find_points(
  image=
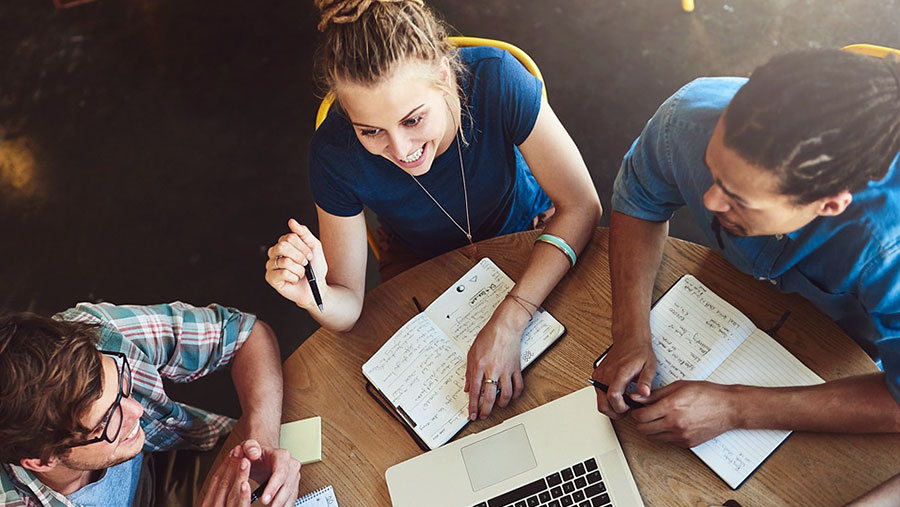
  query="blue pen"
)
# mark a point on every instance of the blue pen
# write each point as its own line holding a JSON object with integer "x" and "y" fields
{"x": 313, "y": 286}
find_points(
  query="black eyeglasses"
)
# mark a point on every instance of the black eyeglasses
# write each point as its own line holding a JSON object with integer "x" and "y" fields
{"x": 113, "y": 425}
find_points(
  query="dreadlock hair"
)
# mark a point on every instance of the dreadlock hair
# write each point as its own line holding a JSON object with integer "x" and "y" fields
{"x": 365, "y": 41}
{"x": 50, "y": 374}
{"x": 823, "y": 121}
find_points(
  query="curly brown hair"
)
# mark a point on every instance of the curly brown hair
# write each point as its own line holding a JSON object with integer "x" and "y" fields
{"x": 50, "y": 373}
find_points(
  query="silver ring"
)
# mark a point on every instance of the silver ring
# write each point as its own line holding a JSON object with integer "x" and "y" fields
{"x": 276, "y": 263}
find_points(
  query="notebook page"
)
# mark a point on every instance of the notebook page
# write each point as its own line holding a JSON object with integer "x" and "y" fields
{"x": 760, "y": 361}
{"x": 421, "y": 372}
{"x": 320, "y": 498}
{"x": 693, "y": 331}
{"x": 467, "y": 306}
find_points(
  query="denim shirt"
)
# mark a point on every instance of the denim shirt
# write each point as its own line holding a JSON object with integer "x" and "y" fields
{"x": 847, "y": 265}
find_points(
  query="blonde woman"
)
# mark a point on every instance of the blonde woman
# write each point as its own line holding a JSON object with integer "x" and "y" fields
{"x": 447, "y": 147}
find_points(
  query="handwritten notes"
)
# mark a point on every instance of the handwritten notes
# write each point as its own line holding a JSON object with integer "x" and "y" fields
{"x": 699, "y": 336}
{"x": 693, "y": 331}
{"x": 421, "y": 369}
{"x": 759, "y": 361}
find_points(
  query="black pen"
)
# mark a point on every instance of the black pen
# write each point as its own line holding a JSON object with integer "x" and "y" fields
{"x": 313, "y": 286}
{"x": 259, "y": 491}
{"x": 605, "y": 388}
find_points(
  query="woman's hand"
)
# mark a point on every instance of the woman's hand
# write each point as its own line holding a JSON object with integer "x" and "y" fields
{"x": 285, "y": 269}
{"x": 496, "y": 355}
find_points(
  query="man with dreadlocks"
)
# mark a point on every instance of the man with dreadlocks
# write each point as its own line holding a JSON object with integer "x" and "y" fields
{"x": 793, "y": 175}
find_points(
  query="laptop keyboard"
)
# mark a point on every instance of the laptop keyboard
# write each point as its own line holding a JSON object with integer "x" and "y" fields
{"x": 579, "y": 485}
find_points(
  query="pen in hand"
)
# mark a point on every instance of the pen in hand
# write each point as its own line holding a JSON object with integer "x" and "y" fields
{"x": 605, "y": 388}
{"x": 313, "y": 286}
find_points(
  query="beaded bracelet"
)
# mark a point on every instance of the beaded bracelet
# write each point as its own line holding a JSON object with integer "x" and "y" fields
{"x": 558, "y": 243}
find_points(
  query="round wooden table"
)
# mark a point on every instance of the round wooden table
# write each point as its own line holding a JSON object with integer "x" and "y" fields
{"x": 360, "y": 440}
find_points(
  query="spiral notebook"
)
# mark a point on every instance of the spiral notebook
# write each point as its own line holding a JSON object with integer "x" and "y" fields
{"x": 319, "y": 498}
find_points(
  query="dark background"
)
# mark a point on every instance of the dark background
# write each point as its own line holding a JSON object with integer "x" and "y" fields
{"x": 152, "y": 150}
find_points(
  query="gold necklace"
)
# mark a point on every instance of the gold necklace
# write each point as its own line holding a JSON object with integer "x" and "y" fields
{"x": 468, "y": 230}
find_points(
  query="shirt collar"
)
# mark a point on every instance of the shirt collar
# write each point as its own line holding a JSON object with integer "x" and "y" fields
{"x": 28, "y": 484}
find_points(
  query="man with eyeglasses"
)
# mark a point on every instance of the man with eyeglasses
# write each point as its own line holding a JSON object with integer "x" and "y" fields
{"x": 84, "y": 419}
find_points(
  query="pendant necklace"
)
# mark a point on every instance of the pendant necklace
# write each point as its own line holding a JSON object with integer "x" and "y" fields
{"x": 468, "y": 230}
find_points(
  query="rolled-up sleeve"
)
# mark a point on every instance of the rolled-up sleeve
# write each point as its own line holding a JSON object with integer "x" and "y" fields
{"x": 645, "y": 187}
{"x": 184, "y": 342}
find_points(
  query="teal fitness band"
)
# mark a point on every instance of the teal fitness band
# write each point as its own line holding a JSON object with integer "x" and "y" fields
{"x": 558, "y": 243}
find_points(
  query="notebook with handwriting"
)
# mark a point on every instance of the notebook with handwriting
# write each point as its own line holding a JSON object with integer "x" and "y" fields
{"x": 697, "y": 335}
{"x": 421, "y": 369}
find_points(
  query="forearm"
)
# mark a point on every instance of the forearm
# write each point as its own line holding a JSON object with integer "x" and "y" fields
{"x": 859, "y": 404}
{"x": 256, "y": 372}
{"x": 548, "y": 264}
{"x": 341, "y": 307}
{"x": 887, "y": 494}
{"x": 635, "y": 253}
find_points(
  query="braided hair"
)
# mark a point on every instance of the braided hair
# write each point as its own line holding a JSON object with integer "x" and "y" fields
{"x": 824, "y": 121}
{"x": 365, "y": 40}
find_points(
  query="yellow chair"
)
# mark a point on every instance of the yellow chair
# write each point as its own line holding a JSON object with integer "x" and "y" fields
{"x": 460, "y": 42}
{"x": 871, "y": 50}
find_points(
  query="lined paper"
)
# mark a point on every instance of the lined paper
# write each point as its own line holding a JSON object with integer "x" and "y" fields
{"x": 699, "y": 336}
{"x": 693, "y": 331}
{"x": 759, "y": 361}
{"x": 421, "y": 369}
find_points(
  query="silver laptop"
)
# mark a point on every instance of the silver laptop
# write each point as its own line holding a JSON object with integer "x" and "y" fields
{"x": 561, "y": 454}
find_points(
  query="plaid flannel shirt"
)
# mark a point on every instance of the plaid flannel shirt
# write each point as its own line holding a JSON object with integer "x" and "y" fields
{"x": 175, "y": 341}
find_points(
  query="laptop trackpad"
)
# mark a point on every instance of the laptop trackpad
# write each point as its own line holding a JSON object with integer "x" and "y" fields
{"x": 498, "y": 457}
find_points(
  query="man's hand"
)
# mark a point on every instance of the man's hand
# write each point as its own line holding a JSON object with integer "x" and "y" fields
{"x": 275, "y": 466}
{"x": 687, "y": 413}
{"x": 626, "y": 361}
{"x": 229, "y": 485}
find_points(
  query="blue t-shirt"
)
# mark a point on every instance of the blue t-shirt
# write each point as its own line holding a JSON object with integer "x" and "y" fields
{"x": 847, "y": 265}
{"x": 115, "y": 488}
{"x": 503, "y": 103}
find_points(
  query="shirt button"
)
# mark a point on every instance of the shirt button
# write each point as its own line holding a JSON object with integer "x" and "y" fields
{"x": 170, "y": 421}
{"x": 761, "y": 278}
{"x": 773, "y": 282}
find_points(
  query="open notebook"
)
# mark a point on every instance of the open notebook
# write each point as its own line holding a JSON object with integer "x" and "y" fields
{"x": 421, "y": 370}
{"x": 699, "y": 336}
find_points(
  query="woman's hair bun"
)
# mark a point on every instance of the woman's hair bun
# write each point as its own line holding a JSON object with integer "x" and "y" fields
{"x": 347, "y": 11}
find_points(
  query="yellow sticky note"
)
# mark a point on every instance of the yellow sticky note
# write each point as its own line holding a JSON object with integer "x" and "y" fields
{"x": 303, "y": 439}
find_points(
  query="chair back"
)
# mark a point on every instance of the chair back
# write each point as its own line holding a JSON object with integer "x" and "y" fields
{"x": 460, "y": 42}
{"x": 871, "y": 50}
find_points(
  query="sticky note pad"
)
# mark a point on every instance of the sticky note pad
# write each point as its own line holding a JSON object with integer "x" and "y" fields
{"x": 303, "y": 439}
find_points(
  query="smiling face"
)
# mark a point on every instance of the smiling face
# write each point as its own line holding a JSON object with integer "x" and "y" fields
{"x": 406, "y": 118}
{"x": 746, "y": 199}
{"x": 130, "y": 441}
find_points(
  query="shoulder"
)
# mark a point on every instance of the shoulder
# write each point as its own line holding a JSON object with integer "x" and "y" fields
{"x": 487, "y": 64}
{"x": 334, "y": 136}
{"x": 700, "y": 102}
{"x": 475, "y": 57}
